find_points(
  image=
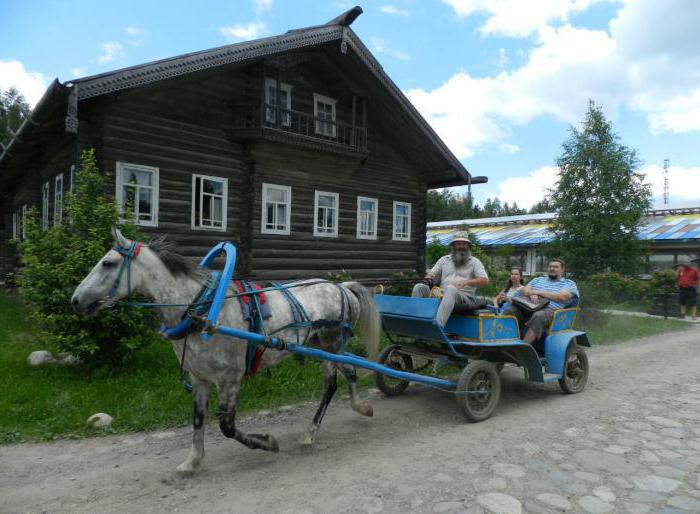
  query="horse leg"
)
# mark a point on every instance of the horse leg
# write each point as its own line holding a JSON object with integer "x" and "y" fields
{"x": 358, "y": 405}
{"x": 200, "y": 400}
{"x": 330, "y": 384}
{"x": 227, "y": 394}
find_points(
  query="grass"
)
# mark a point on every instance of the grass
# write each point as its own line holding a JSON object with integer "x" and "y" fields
{"x": 54, "y": 402}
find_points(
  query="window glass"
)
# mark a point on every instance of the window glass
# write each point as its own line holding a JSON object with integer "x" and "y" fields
{"x": 402, "y": 221}
{"x": 326, "y": 214}
{"x": 209, "y": 197}
{"x": 276, "y": 205}
{"x": 138, "y": 193}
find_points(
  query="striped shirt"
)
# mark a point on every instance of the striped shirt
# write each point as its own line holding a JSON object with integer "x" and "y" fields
{"x": 555, "y": 286}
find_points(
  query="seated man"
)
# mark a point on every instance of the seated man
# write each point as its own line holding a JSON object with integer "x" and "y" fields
{"x": 561, "y": 292}
{"x": 458, "y": 274}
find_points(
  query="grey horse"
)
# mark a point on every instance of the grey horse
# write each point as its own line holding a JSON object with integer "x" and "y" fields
{"x": 162, "y": 275}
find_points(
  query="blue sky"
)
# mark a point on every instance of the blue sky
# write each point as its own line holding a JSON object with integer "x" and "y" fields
{"x": 500, "y": 80}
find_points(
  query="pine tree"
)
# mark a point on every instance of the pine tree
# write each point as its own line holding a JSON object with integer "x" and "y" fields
{"x": 13, "y": 111}
{"x": 600, "y": 200}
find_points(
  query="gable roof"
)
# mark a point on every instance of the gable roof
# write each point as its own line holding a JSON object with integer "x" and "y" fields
{"x": 337, "y": 29}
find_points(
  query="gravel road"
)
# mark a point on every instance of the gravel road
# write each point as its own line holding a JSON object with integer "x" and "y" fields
{"x": 629, "y": 443}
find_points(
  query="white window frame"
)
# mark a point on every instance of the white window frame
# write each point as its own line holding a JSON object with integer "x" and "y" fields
{"x": 45, "y": 191}
{"x": 23, "y": 221}
{"x": 154, "y": 202}
{"x": 375, "y": 201}
{"x": 269, "y": 113}
{"x": 263, "y": 220}
{"x": 394, "y": 235}
{"x": 15, "y": 224}
{"x": 72, "y": 178}
{"x": 58, "y": 199}
{"x": 317, "y": 125}
{"x": 224, "y": 202}
{"x": 336, "y": 208}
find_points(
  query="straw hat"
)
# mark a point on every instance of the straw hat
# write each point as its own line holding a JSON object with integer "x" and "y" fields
{"x": 461, "y": 236}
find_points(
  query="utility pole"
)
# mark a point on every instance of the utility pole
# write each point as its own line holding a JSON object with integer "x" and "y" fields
{"x": 666, "y": 191}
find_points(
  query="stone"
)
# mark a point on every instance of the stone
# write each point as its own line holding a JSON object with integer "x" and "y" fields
{"x": 636, "y": 508}
{"x": 604, "y": 493}
{"x": 554, "y": 500}
{"x": 669, "y": 472}
{"x": 441, "y": 477}
{"x": 40, "y": 358}
{"x": 575, "y": 488}
{"x": 678, "y": 433}
{"x": 594, "y": 505}
{"x": 603, "y": 461}
{"x": 100, "y": 420}
{"x": 649, "y": 436}
{"x": 489, "y": 484}
{"x": 668, "y": 454}
{"x": 371, "y": 506}
{"x": 588, "y": 477}
{"x": 648, "y": 456}
{"x": 664, "y": 422}
{"x": 508, "y": 470}
{"x": 618, "y": 450}
{"x": 647, "y": 497}
{"x": 656, "y": 484}
{"x": 621, "y": 483}
{"x": 572, "y": 432}
{"x": 163, "y": 435}
{"x": 638, "y": 425}
{"x": 67, "y": 359}
{"x": 447, "y": 506}
{"x": 685, "y": 503}
{"x": 555, "y": 455}
{"x": 500, "y": 503}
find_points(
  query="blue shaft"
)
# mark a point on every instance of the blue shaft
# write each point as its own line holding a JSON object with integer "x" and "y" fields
{"x": 346, "y": 358}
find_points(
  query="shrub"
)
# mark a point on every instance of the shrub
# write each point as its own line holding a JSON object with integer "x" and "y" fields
{"x": 604, "y": 289}
{"x": 54, "y": 261}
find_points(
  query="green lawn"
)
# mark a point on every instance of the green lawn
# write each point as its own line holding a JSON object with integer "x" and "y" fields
{"x": 49, "y": 402}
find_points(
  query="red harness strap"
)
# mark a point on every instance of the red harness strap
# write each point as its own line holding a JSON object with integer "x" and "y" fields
{"x": 246, "y": 298}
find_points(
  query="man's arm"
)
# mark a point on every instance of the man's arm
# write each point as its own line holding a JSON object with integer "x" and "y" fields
{"x": 562, "y": 296}
{"x": 480, "y": 278}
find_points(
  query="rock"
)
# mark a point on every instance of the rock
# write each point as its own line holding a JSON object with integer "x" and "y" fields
{"x": 604, "y": 493}
{"x": 603, "y": 461}
{"x": 447, "y": 506}
{"x": 648, "y": 456}
{"x": 669, "y": 472}
{"x": 372, "y": 506}
{"x": 499, "y": 503}
{"x": 685, "y": 503}
{"x": 442, "y": 477}
{"x": 664, "y": 422}
{"x": 40, "y": 358}
{"x": 163, "y": 435}
{"x": 489, "y": 484}
{"x": 508, "y": 470}
{"x": 636, "y": 508}
{"x": 656, "y": 484}
{"x": 594, "y": 505}
{"x": 554, "y": 500}
{"x": 100, "y": 420}
{"x": 67, "y": 359}
{"x": 588, "y": 477}
{"x": 617, "y": 450}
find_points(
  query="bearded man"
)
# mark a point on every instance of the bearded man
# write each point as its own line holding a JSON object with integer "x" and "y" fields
{"x": 458, "y": 274}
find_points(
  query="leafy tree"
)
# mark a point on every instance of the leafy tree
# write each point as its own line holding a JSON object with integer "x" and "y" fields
{"x": 54, "y": 261}
{"x": 600, "y": 200}
{"x": 542, "y": 206}
{"x": 13, "y": 111}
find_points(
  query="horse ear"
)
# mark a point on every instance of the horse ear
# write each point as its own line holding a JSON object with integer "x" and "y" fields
{"x": 119, "y": 238}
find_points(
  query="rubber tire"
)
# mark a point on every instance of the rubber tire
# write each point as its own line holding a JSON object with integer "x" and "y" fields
{"x": 563, "y": 383}
{"x": 465, "y": 378}
{"x": 380, "y": 379}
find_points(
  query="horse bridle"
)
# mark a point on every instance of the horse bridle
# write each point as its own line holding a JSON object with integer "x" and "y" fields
{"x": 128, "y": 254}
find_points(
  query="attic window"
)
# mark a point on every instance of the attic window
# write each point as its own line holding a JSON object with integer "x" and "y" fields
{"x": 324, "y": 112}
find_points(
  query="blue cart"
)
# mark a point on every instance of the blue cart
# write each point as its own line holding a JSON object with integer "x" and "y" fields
{"x": 479, "y": 342}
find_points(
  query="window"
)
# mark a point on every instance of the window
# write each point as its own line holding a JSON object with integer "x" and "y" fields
{"x": 402, "y": 221}
{"x": 15, "y": 224}
{"x": 58, "y": 200}
{"x": 661, "y": 261}
{"x": 324, "y": 109}
{"x": 45, "y": 206}
{"x": 283, "y": 104}
{"x": 367, "y": 217}
{"x": 276, "y": 209}
{"x": 23, "y": 222}
{"x": 326, "y": 214}
{"x": 137, "y": 192}
{"x": 209, "y": 195}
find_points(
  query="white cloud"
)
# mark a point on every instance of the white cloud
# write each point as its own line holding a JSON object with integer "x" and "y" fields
{"x": 135, "y": 35}
{"x": 31, "y": 84}
{"x": 133, "y": 31}
{"x": 380, "y": 46}
{"x": 393, "y": 10}
{"x": 530, "y": 189}
{"x": 252, "y": 30}
{"x": 567, "y": 67}
{"x": 262, "y": 5}
{"x": 683, "y": 184}
{"x": 112, "y": 50}
{"x": 503, "y": 58}
{"x": 77, "y": 72}
{"x": 518, "y": 18}
{"x": 509, "y": 148}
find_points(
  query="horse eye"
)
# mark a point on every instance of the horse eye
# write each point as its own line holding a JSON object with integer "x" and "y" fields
{"x": 107, "y": 264}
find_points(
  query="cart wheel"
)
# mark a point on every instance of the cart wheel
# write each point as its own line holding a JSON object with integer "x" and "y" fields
{"x": 478, "y": 390}
{"x": 392, "y": 357}
{"x": 499, "y": 366}
{"x": 576, "y": 370}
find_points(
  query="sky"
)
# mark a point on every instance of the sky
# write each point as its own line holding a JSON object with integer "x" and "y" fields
{"x": 501, "y": 81}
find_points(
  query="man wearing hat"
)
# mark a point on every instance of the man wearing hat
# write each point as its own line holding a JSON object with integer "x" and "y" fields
{"x": 458, "y": 274}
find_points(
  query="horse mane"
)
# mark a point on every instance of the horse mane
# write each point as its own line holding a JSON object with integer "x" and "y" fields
{"x": 174, "y": 262}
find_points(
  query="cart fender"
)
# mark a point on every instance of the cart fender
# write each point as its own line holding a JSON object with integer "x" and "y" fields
{"x": 556, "y": 345}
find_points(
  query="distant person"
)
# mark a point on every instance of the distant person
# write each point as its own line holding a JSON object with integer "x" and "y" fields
{"x": 512, "y": 288}
{"x": 688, "y": 280}
{"x": 561, "y": 293}
{"x": 458, "y": 274}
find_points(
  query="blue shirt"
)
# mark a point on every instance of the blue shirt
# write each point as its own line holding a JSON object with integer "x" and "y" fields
{"x": 555, "y": 286}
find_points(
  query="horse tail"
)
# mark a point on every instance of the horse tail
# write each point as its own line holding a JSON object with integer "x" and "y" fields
{"x": 369, "y": 321}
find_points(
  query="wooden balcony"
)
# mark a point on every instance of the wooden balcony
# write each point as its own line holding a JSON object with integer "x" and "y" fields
{"x": 252, "y": 121}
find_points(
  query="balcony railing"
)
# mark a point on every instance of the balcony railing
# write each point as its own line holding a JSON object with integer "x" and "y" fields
{"x": 333, "y": 133}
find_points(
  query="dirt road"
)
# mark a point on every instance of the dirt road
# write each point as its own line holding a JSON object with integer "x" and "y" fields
{"x": 630, "y": 442}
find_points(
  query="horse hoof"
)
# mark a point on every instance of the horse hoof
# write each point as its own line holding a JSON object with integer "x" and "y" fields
{"x": 363, "y": 408}
{"x": 186, "y": 469}
{"x": 306, "y": 439}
